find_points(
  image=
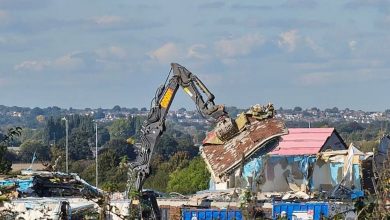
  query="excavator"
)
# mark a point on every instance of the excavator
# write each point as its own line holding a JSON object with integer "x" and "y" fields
{"x": 143, "y": 204}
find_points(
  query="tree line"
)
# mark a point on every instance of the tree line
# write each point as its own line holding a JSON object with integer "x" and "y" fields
{"x": 175, "y": 155}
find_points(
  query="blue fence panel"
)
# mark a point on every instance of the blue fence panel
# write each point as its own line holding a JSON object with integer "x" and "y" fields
{"x": 211, "y": 214}
{"x": 315, "y": 209}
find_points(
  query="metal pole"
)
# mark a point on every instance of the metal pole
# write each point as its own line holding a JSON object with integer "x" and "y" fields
{"x": 96, "y": 154}
{"x": 66, "y": 145}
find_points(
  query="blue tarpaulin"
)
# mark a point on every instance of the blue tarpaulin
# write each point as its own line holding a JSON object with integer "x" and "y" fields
{"x": 23, "y": 185}
{"x": 252, "y": 168}
{"x": 334, "y": 169}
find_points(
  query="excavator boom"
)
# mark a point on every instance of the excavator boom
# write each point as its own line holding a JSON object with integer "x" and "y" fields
{"x": 154, "y": 126}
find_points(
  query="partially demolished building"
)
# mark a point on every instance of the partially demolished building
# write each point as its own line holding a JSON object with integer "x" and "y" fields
{"x": 303, "y": 162}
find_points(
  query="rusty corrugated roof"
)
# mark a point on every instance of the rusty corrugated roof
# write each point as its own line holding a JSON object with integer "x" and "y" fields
{"x": 224, "y": 157}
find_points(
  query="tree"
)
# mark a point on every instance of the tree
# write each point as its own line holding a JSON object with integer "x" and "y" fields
{"x": 160, "y": 170}
{"x": 5, "y": 164}
{"x": 28, "y": 148}
{"x": 120, "y": 129}
{"x": 125, "y": 128}
{"x": 173, "y": 141}
{"x": 120, "y": 148}
{"x": 116, "y": 108}
{"x": 190, "y": 179}
{"x": 297, "y": 109}
{"x": 79, "y": 145}
{"x": 349, "y": 127}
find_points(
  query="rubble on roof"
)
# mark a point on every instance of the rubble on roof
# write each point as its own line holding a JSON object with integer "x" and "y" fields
{"x": 257, "y": 128}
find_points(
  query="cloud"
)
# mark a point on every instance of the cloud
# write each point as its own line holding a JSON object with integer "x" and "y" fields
{"x": 3, "y": 16}
{"x": 107, "y": 20}
{"x": 300, "y": 4}
{"x": 84, "y": 61}
{"x": 351, "y": 75}
{"x": 315, "y": 47}
{"x": 286, "y": 23}
{"x": 114, "y": 22}
{"x": 144, "y": 6}
{"x": 230, "y": 48}
{"x": 352, "y": 45}
{"x": 24, "y": 4}
{"x": 3, "y": 82}
{"x": 212, "y": 5}
{"x": 381, "y": 5}
{"x": 68, "y": 62}
{"x": 383, "y": 23}
{"x": 315, "y": 79}
{"x": 195, "y": 51}
{"x": 249, "y": 7}
{"x": 32, "y": 65}
{"x": 288, "y": 40}
{"x": 227, "y": 21}
{"x": 165, "y": 53}
{"x": 22, "y": 25}
{"x": 112, "y": 53}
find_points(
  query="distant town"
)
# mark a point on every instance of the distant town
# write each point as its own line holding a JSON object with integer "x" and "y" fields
{"x": 33, "y": 116}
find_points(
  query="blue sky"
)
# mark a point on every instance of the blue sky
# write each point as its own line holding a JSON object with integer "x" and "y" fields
{"x": 104, "y": 53}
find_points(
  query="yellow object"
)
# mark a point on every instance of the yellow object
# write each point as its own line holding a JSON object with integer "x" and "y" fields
{"x": 241, "y": 121}
{"x": 130, "y": 141}
{"x": 135, "y": 202}
{"x": 188, "y": 91}
{"x": 167, "y": 98}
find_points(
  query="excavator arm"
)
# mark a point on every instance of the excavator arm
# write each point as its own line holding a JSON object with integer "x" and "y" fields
{"x": 154, "y": 126}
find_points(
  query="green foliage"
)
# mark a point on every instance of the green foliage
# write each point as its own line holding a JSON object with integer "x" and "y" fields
{"x": 79, "y": 166}
{"x": 125, "y": 128}
{"x": 32, "y": 134}
{"x": 5, "y": 163}
{"x": 190, "y": 179}
{"x": 160, "y": 170}
{"x": 79, "y": 144}
{"x": 173, "y": 141}
{"x": 297, "y": 109}
{"x": 113, "y": 186}
{"x": 28, "y": 148}
{"x": 109, "y": 161}
{"x": 120, "y": 148}
{"x": 349, "y": 127}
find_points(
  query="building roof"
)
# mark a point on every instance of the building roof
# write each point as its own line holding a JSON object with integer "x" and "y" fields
{"x": 303, "y": 141}
{"x": 222, "y": 158}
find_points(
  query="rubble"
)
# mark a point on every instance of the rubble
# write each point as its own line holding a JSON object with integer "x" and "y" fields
{"x": 222, "y": 158}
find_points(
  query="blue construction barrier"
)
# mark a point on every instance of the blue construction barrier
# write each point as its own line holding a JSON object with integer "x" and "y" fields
{"x": 211, "y": 214}
{"x": 312, "y": 210}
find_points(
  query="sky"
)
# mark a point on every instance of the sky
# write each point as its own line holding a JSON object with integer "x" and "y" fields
{"x": 78, "y": 53}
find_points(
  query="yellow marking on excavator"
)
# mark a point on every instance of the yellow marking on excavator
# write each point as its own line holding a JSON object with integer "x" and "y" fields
{"x": 167, "y": 98}
{"x": 187, "y": 90}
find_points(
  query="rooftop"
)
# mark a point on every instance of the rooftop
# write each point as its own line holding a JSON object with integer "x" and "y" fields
{"x": 303, "y": 141}
{"x": 222, "y": 158}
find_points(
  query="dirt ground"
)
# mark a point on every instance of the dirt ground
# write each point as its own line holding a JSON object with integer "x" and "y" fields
{"x": 21, "y": 166}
